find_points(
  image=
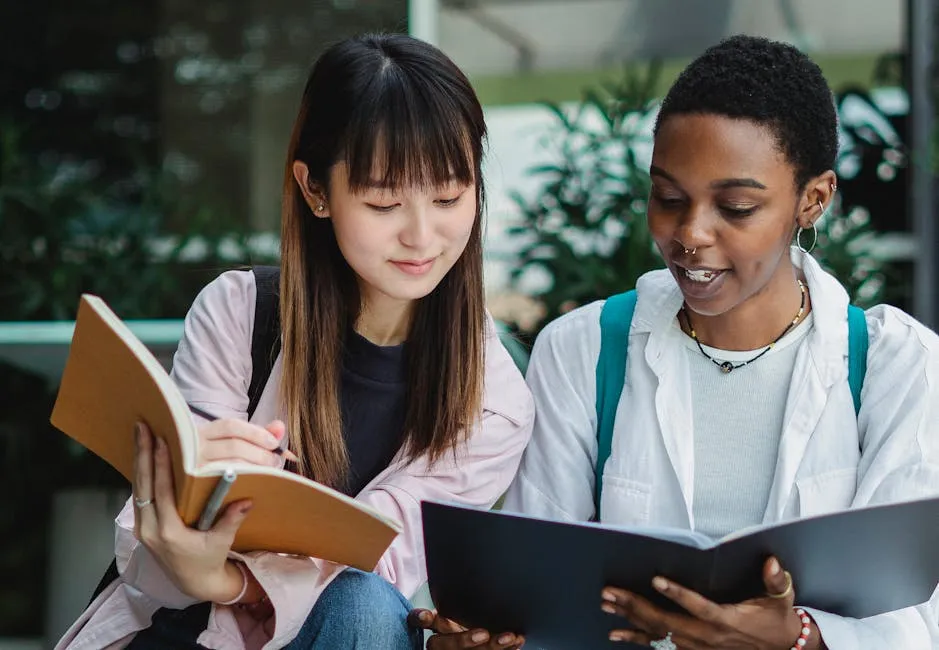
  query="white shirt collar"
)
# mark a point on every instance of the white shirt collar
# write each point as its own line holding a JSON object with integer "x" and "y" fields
{"x": 660, "y": 299}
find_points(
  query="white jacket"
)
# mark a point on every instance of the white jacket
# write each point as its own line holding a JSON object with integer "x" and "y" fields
{"x": 828, "y": 459}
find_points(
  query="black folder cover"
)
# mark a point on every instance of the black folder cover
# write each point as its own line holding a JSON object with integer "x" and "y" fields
{"x": 508, "y": 572}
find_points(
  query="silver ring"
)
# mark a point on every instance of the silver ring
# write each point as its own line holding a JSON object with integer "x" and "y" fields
{"x": 142, "y": 503}
{"x": 664, "y": 644}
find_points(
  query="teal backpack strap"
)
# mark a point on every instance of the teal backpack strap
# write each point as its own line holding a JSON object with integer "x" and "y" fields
{"x": 857, "y": 353}
{"x": 615, "y": 321}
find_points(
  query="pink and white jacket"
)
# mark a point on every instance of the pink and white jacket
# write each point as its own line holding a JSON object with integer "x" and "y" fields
{"x": 212, "y": 368}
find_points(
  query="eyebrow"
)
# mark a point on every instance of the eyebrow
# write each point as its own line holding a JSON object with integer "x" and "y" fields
{"x": 737, "y": 182}
{"x": 723, "y": 184}
{"x": 380, "y": 184}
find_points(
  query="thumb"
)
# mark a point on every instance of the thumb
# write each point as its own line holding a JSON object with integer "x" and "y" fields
{"x": 278, "y": 428}
{"x": 444, "y": 625}
{"x": 778, "y": 582}
{"x": 422, "y": 619}
{"x": 229, "y": 523}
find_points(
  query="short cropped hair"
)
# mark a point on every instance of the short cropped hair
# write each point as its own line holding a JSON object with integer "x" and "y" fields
{"x": 769, "y": 83}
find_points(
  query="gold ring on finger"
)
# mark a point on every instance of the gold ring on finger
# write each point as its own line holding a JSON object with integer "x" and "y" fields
{"x": 787, "y": 590}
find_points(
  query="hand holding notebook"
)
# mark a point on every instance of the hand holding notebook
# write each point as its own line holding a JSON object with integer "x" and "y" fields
{"x": 111, "y": 381}
{"x": 196, "y": 561}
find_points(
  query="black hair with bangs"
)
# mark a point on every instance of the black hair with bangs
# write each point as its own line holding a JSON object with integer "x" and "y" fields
{"x": 399, "y": 114}
{"x": 391, "y": 105}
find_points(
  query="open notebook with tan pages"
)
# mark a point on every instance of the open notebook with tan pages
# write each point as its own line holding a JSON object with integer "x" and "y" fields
{"x": 111, "y": 381}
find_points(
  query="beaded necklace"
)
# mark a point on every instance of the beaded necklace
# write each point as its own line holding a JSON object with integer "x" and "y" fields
{"x": 726, "y": 366}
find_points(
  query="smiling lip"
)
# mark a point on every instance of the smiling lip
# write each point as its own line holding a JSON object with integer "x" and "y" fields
{"x": 415, "y": 267}
{"x": 699, "y": 269}
{"x": 700, "y": 290}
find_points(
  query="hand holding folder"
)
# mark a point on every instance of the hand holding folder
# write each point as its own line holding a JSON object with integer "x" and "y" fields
{"x": 543, "y": 579}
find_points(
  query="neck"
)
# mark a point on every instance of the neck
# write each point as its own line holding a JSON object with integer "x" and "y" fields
{"x": 756, "y": 322}
{"x": 384, "y": 321}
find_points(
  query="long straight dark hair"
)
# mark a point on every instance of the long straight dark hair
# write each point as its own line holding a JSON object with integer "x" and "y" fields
{"x": 392, "y": 103}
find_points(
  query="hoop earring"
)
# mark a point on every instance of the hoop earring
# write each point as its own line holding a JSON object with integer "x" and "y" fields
{"x": 814, "y": 239}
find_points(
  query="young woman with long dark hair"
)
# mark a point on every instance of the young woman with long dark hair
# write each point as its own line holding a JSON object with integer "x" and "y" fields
{"x": 391, "y": 386}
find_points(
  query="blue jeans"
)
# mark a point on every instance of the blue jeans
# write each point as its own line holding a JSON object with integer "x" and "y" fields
{"x": 357, "y": 611}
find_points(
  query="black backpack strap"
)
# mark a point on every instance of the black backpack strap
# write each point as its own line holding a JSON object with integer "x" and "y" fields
{"x": 265, "y": 339}
{"x": 110, "y": 575}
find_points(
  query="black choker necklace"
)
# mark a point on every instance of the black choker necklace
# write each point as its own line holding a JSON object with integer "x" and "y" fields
{"x": 726, "y": 366}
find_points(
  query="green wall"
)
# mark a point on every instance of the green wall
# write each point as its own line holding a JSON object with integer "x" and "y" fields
{"x": 568, "y": 85}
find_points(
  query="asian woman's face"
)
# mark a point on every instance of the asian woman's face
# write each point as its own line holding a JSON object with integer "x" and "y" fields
{"x": 400, "y": 242}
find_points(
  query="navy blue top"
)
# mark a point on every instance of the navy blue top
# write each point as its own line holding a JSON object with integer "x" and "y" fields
{"x": 372, "y": 396}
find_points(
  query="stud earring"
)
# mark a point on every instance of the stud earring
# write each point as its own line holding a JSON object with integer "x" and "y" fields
{"x": 320, "y": 207}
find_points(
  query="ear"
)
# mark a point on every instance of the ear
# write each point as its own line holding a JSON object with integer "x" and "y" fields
{"x": 816, "y": 198}
{"x": 313, "y": 192}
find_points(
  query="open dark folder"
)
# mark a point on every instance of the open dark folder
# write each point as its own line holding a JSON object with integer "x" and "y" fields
{"x": 508, "y": 572}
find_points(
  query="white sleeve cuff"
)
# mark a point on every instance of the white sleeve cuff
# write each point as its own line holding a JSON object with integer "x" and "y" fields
{"x": 842, "y": 633}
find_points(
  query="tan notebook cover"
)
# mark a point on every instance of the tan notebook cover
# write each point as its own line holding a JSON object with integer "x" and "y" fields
{"x": 111, "y": 381}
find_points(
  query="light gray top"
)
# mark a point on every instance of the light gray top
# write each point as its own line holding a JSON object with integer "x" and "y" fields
{"x": 735, "y": 453}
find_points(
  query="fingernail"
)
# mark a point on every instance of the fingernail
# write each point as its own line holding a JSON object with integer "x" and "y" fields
{"x": 425, "y": 617}
{"x": 608, "y": 595}
{"x": 774, "y": 567}
{"x": 504, "y": 639}
{"x": 660, "y": 583}
{"x": 161, "y": 446}
{"x": 292, "y": 457}
{"x": 138, "y": 434}
{"x": 246, "y": 508}
{"x": 480, "y": 636}
{"x": 608, "y": 608}
{"x": 271, "y": 441}
{"x": 616, "y": 636}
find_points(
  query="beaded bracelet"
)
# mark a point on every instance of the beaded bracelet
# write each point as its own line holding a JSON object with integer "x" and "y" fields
{"x": 244, "y": 586}
{"x": 806, "y": 620}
